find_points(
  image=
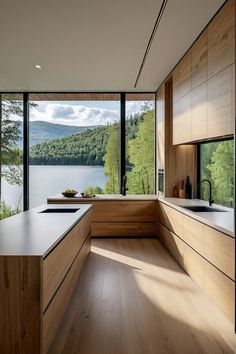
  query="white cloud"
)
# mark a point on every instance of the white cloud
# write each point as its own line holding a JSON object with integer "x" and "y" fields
{"x": 73, "y": 114}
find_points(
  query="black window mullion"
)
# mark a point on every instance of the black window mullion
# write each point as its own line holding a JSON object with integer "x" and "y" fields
{"x": 25, "y": 151}
{"x": 122, "y": 145}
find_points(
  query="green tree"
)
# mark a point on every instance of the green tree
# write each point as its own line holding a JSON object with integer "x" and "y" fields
{"x": 222, "y": 173}
{"x": 141, "y": 156}
{"x": 112, "y": 161}
{"x": 10, "y": 155}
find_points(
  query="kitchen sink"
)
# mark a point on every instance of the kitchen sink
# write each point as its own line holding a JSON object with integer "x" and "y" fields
{"x": 203, "y": 208}
{"x": 60, "y": 210}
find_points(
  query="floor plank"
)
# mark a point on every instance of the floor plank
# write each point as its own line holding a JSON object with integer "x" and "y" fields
{"x": 133, "y": 298}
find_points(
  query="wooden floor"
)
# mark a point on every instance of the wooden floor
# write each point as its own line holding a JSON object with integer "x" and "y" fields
{"x": 133, "y": 298}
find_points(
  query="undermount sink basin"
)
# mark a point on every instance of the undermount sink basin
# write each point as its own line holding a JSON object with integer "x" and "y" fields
{"x": 60, "y": 210}
{"x": 202, "y": 208}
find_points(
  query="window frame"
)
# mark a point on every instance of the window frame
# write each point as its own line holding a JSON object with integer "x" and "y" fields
{"x": 122, "y": 96}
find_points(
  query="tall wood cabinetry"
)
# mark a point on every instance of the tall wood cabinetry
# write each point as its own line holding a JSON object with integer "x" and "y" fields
{"x": 204, "y": 83}
{"x": 174, "y": 163}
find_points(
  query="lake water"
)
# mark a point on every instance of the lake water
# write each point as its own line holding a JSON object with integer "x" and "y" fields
{"x": 46, "y": 181}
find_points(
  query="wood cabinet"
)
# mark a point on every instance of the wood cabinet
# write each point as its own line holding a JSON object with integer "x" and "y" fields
{"x": 185, "y": 75}
{"x": 206, "y": 254}
{"x": 221, "y": 39}
{"x": 204, "y": 83}
{"x": 35, "y": 291}
{"x": 220, "y": 99}
{"x": 199, "y": 56}
{"x": 120, "y": 217}
{"x": 199, "y": 112}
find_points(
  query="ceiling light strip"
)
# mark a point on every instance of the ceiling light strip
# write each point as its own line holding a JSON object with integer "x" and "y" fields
{"x": 163, "y": 5}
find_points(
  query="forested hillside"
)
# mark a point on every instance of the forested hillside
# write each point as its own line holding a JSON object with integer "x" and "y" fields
{"x": 85, "y": 148}
{"x": 41, "y": 131}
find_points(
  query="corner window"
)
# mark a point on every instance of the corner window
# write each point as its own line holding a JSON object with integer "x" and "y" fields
{"x": 217, "y": 165}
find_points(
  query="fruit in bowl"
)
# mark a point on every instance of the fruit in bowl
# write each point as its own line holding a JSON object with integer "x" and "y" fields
{"x": 69, "y": 193}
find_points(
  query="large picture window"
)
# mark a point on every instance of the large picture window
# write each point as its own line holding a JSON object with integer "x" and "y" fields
{"x": 217, "y": 165}
{"x": 11, "y": 157}
{"x": 88, "y": 142}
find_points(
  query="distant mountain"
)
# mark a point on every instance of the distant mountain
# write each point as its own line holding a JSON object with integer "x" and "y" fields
{"x": 43, "y": 131}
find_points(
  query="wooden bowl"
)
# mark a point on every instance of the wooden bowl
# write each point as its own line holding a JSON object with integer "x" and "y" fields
{"x": 69, "y": 194}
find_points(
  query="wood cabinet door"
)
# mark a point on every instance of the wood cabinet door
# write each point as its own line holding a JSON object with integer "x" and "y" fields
{"x": 185, "y": 75}
{"x": 199, "y": 112}
{"x": 185, "y": 118}
{"x": 176, "y": 81}
{"x": 176, "y": 137}
{"x": 221, "y": 39}
{"x": 220, "y": 106}
{"x": 199, "y": 60}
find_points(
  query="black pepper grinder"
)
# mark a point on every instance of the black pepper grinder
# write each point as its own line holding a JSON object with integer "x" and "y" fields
{"x": 188, "y": 188}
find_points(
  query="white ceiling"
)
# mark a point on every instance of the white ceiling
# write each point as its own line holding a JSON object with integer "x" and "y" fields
{"x": 94, "y": 45}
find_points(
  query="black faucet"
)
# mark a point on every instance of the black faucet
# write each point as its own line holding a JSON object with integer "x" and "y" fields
{"x": 211, "y": 200}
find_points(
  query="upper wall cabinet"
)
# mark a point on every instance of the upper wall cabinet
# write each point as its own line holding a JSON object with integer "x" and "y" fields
{"x": 204, "y": 83}
{"x": 185, "y": 75}
{"x": 199, "y": 60}
{"x": 221, "y": 39}
{"x": 220, "y": 103}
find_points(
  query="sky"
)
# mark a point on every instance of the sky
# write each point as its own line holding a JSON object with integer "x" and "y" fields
{"x": 83, "y": 113}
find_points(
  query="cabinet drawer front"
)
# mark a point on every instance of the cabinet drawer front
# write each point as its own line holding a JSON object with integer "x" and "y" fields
{"x": 194, "y": 265}
{"x": 54, "y": 313}
{"x": 219, "y": 250}
{"x": 126, "y": 229}
{"x": 220, "y": 289}
{"x": 99, "y": 211}
{"x": 172, "y": 243}
{"x": 57, "y": 263}
{"x": 171, "y": 218}
{"x": 131, "y": 211}
{"x": 194, "y": 234}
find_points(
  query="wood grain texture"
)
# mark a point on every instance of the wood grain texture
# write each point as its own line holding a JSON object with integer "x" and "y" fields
{"x": 185, "y": 119}
{"x": 199, "y": 113}
{"x": 135, "y": 229}
{"x": 133, "y": 297}
{"x": 143, "y": 211}
{"x": 221, "y": 39}
{"x": 172, "y": 219}
{"x": 199, "y": 59}
{"x": 220, "y": 250}
{"x": 185, "y": 75}
{"x": 193, "y": 234}
{"x": 194, "y": 265}
{"x": 220, "y": 99}
{"x": 55, "y": 312}
{"x": 57, "y": 263}
{"x": 219, "y": 289}
{"x": 176, "y": 83}
{"x": 197, "y": 245}
{"x": 20, "y": 305}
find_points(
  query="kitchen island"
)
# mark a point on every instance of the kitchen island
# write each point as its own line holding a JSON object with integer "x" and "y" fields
{"x": 41, "y": 256}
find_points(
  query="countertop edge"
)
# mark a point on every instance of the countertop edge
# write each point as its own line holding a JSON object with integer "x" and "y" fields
{"x": 203, "y": 220}
{"x": 60, "y": 238}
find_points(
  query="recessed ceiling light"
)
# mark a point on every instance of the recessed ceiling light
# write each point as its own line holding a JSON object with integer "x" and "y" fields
{"x": 38, "y": 66}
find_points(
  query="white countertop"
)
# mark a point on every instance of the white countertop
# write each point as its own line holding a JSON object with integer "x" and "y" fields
{"x": 222, "y": 221}
{"x": 32, "y": 233}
